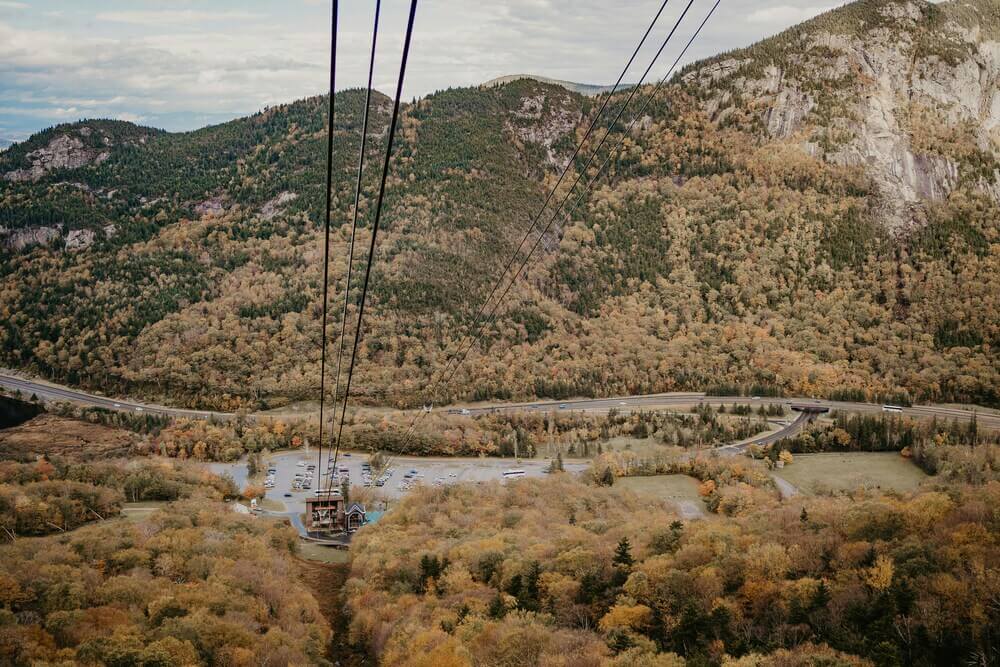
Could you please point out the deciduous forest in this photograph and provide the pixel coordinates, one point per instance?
(558, 573)
(716, 250)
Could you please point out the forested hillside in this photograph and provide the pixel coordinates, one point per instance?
(554, 572)
(760, 228)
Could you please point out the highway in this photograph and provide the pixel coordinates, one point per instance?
(47, 391)
(986, 418)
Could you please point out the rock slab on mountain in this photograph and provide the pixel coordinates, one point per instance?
(907, 90)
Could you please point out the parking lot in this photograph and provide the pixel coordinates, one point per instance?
(404, 473)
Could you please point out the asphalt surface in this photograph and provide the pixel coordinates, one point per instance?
(989, 419)
(51, 392)
(651, 401)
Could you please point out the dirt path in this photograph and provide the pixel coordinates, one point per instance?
(326, 582)
(786, 488)
(690, 509)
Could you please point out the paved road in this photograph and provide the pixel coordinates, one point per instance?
(53, 392)
(789, 430)
(986, 418)
(991, 419)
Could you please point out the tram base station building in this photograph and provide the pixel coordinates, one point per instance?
(327, 512)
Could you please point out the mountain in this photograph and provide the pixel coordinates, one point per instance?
(587, 89)
(908, 91)
(815, 214)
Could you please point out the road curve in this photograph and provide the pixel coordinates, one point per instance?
(989, 419)
(790, 429)
(986, 418)
(55, 393)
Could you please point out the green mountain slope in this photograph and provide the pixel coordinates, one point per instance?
(760, 229)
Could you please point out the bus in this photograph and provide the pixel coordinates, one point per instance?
(891, 408)
(513, 473)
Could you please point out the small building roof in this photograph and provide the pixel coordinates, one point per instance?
(355, 507)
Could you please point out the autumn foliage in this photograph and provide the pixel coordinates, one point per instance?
(197, 585)
(534, 573)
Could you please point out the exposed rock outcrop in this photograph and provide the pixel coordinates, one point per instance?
(850, 96)
(76, 239)
(19, 239)
(80, 239)
(211, 207)
(274, 206)
(543, 119)
(63, 152)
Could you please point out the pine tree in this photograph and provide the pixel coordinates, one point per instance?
(497, 608)
(623, 553)
(822, 596)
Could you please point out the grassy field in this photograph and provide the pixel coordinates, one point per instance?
(664, 487)
(141, 510)
(822, 473)
(680, 490)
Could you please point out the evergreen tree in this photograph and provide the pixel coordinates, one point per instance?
(623, 553)
(497, 608)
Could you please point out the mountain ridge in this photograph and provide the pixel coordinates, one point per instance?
(588, 89)
(892, 78)
(722, 250)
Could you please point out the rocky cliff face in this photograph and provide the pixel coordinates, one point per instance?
(544, 119)
(906, 90)
(19, 239)
(43, 235)
(72, 147)
(63, 152)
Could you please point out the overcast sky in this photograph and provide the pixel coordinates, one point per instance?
(183, 64)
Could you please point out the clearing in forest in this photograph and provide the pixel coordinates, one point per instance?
(833, 472)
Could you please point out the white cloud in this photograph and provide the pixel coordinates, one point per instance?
(5, 4)
(785, 14)
(49, 113)
(174, 17)
(130, 117)
(180, 63)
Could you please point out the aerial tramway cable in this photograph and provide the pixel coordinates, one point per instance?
(534, 221)
(569, 162)
(562, 175)
(326, 233)
(591, 183)
(580, 176)
(375, 229)
(354, 225)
